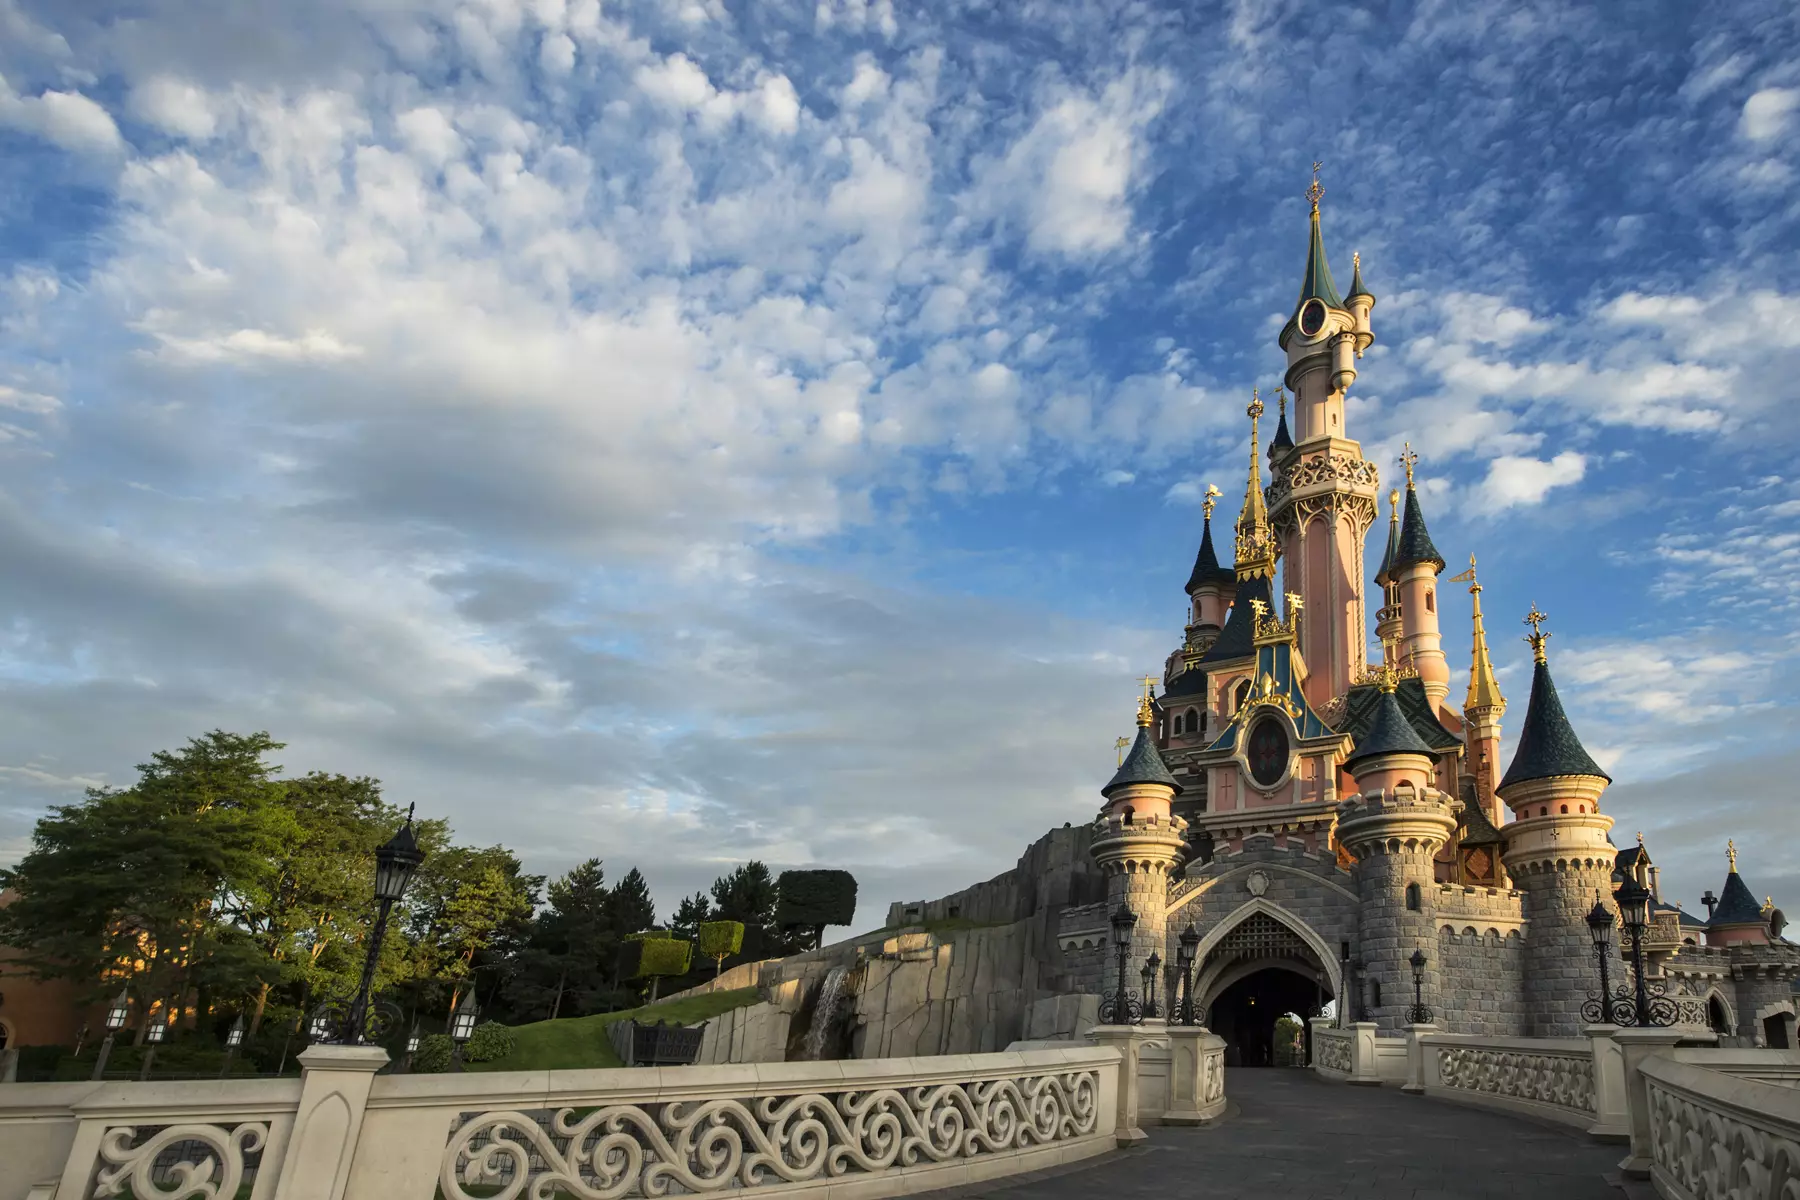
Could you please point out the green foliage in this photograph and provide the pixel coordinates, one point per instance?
(433, 1055)
(659, 955)
(693, 912)
(565, 966)
(720, 938)
(489, 1040)
(38, 1064)
(816, 898)
(578, 1042)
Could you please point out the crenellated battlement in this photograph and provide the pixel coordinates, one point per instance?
(1395, 819)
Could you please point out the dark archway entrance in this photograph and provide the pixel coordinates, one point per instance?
(1245, 1013)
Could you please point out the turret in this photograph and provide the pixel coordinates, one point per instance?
(1283, 441)
(1415, 570)
(1322, 339)
(1482, 709)
(1737, 919)
(1394, 828)
(1360, 302)
(1210, 586)
(1255, 543)
(1557, 851)
(1387, 617)
(1138, 840)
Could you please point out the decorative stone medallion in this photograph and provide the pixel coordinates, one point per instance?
(1257, 883)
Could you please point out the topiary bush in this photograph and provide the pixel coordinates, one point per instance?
(720, 939)
(433, 1055)
(815, 899)
(656, 955)
(491, 1040)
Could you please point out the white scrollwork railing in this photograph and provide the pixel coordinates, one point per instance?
(1705, 1146)
(723, 1143)
(1563, 1080)
(1332, 1048)
(178, 1162)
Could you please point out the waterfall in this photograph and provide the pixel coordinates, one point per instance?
(831, 996)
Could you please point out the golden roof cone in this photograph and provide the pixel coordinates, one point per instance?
(1484, 689)
(1255, 545)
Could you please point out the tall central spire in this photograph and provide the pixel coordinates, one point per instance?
(1317, 281)
(1255, 546)
(1484, 689)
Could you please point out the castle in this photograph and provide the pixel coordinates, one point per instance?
(1317, 819)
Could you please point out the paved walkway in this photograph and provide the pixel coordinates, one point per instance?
(1294, 1136)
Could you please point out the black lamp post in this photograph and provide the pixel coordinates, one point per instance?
(159, 1029)
(1152, 968)
(462, 1027)
(233, 1039)
(412, 1048)
(1122, 1008)
(1613, 1010)
(395, 863)
(116, 1016)
(1651, 1007)
(1418, 1014)
(1187, 949)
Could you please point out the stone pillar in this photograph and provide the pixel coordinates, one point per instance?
(1612, 1119)
(1637, 1045)
(1196, 1076)
(1415, 1059)
(334, 1090)
(1362, 1055)
(1128, 1040)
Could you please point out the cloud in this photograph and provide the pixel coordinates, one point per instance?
(175, 107)
(68, 119)
(1768, 112)
(1116, 477)
(1521, 482)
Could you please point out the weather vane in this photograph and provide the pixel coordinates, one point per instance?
(1317, 189)
(1212, 498)
(1255, 410)
(1537, 637)
(1407, 459)
(1731, 855)
(1119, 746)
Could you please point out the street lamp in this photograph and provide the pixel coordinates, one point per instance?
(1152, 968)
(412, 1048)
(233, 1039)
(1418, 1014)
(1633, 899)
(318, 1026)
(1187, 950)
(116, 1016)
(159, 1029)
(395, 862)
(1122, 1008)
(1600, 928)
(462, 1027)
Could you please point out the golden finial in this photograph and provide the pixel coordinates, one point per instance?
(1281, 400)
(1355, 261)
(1537, 637)
(1119, 746)
(1211, 499)
(1255, 410)
(1393, 504)
(1407, 459)
(1385, 677)
(1295, 603)
(1640, 839)
(1317, 189)
(1146, 716)
(1258, 607)
(1731, 854)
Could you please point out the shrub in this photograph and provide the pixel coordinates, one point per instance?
(721, 938)
(811, 899)
(37, 1064)
(491, 1040)
(656, 954)
(433, 1055)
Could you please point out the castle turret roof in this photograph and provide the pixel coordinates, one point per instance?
(1207, 570)
(1415, 540)
(1283, 440)
(1317, 281)
(1384, 572)
(1360, 705)
(1547, 743)
(1389, 733)
(1356, 283)
(1142, 765)
(1238, 638)
(1737, 905)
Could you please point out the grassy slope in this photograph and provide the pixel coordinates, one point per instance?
(576, 1042)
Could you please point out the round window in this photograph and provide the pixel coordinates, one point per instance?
(1312, 317)
(1268, 752)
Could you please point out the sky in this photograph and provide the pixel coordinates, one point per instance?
(685, 431)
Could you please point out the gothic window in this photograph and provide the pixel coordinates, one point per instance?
(1412, 897)
(1266, 753)
(1243, 694)
(1179, 719)
(1193, 721)
(1430, 601)
(1715, 1016)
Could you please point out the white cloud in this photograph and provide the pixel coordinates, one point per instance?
(1116, 477)
(250, 345)
(174, 106)
(1767, 113)
(777, 105)
(1514, 482)
(69, 119)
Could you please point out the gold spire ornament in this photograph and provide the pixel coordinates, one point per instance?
(1731, 855)
(1211, 500)
(1317, 190)
(1537, 637)
(1255, 546)
(1119, 746)
(1407, 460)
(1484, 688)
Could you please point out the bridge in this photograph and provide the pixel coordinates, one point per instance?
(1132, 1111)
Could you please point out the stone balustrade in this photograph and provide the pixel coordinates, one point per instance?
(1355, 1054)
(1720, 1136)
(872, 1128)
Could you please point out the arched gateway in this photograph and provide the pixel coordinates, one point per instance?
(1255, 966)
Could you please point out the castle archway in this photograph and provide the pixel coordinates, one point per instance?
(1255, 967)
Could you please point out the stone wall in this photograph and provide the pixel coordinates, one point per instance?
(1054, 871)
(752, 1034)
(969, 995)
(1558, 966)
(1480, 979)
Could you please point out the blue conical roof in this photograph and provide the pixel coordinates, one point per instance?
(1389, 733)
(1142, 765)
(1317, 281)
(1415, 540)
(1737, 904)
(1547, 744)
(1206, 564)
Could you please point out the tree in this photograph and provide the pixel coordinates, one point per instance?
(126, 884)
(464, 899)
(630, 907)
(811, 900)
(564, 963)
(718, 940)
(748, 894)
(690, 914)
